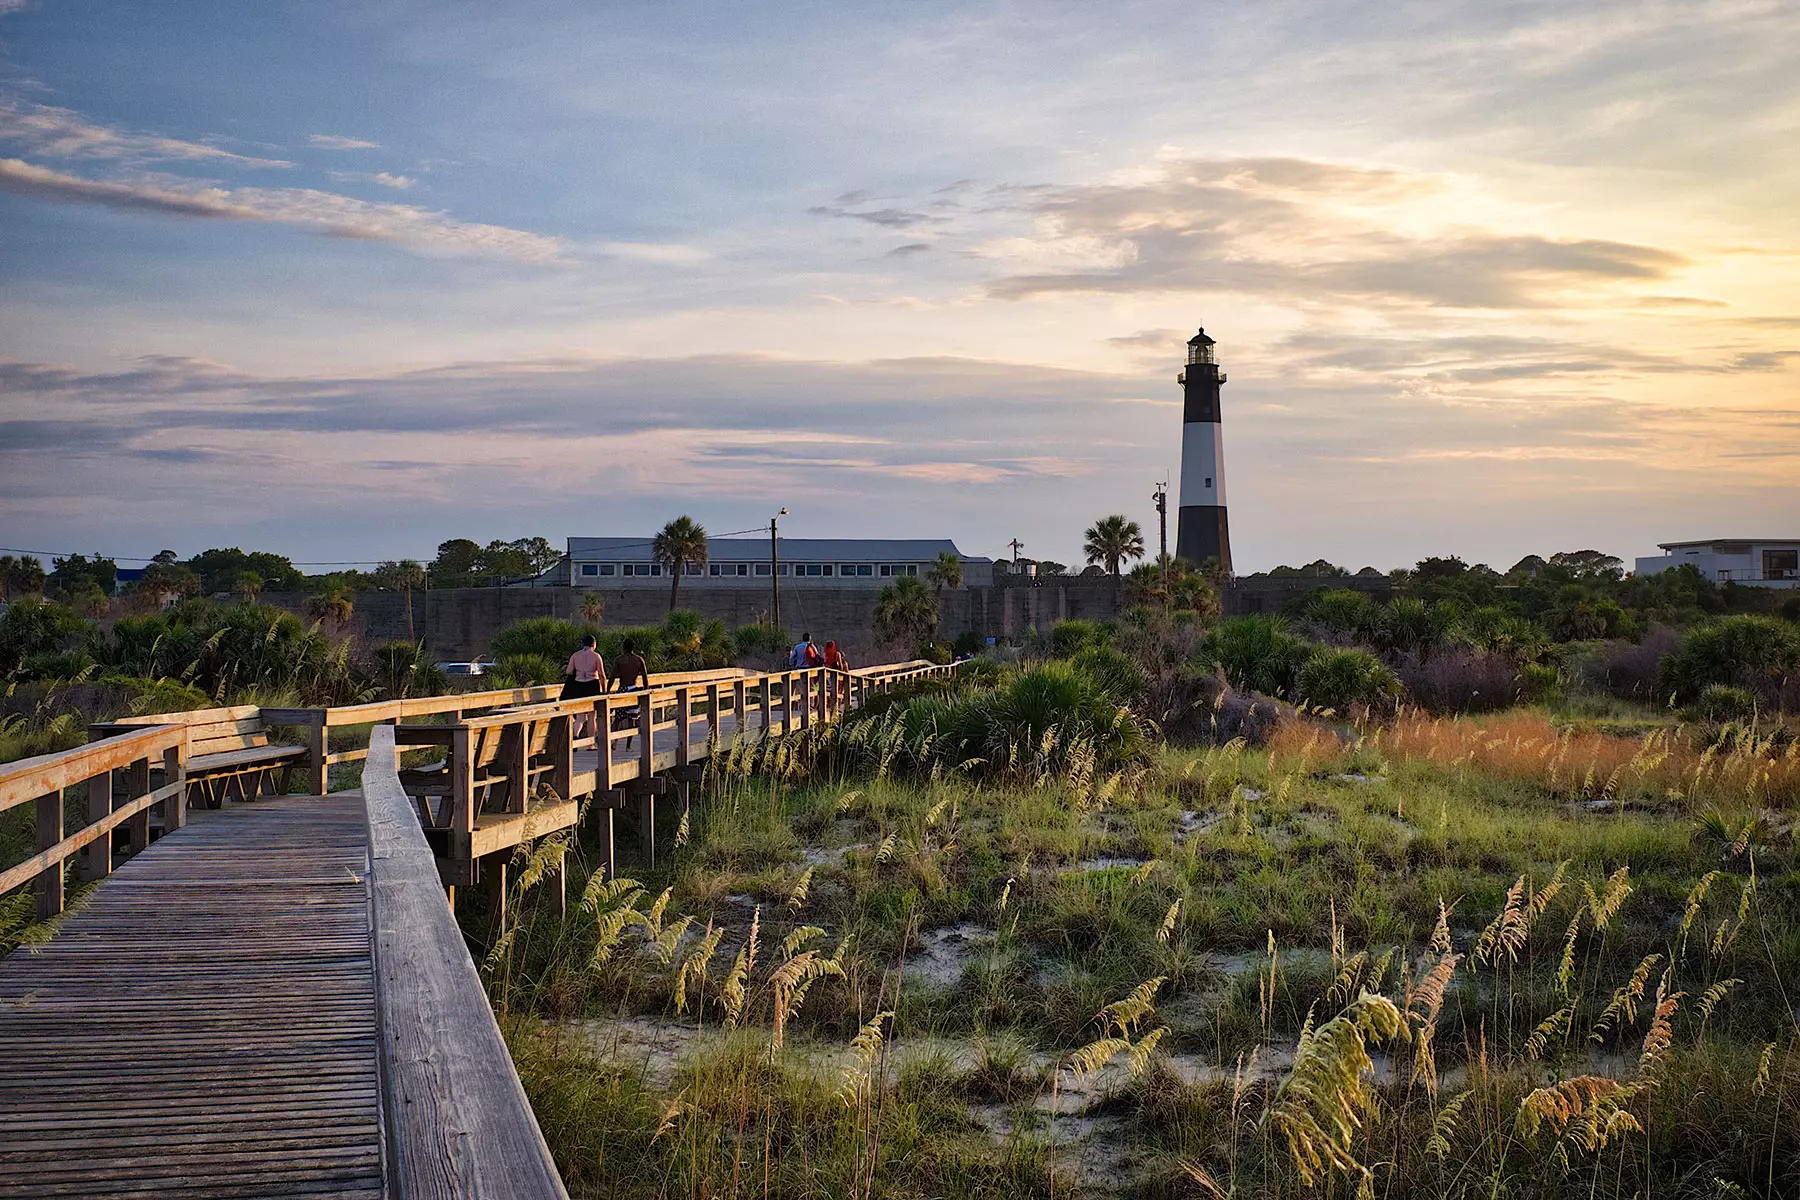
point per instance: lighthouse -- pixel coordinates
(1202, 532)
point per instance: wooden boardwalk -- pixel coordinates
(206, 1026)
(272, 998)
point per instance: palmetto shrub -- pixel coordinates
(1342, 679)
(1760, 654)
(1461, 680)
(1257, 654)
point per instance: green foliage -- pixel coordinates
(1341, 678)
(1111, 540)
(548, 637)
(77, 574)
(219, 570)
(906, 613)
(1756, 653)
(1257, 654)
(1722, 702)
(761, 639)
(461, 562)
(1069, 637)
(36, 635)
(525, 670)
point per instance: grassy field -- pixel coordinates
(1498, 956)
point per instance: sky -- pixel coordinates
(345, 280)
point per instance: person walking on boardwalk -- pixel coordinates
(834, 658)
(632, 673)
(805, 654)
(585, 675)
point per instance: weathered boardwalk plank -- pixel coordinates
(206, 1025)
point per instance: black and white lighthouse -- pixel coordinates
(1202, 532)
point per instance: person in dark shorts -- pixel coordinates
(632, 673)
(585, 675)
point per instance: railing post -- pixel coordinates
(715, 734)
(518, 796)
(318, 747)
(49, 883)
(96, 858)
(603, 714)
(562, 754)
(646, 733)
(768, 687)
(462, 795)
(805, 699)
(137, 786)
(174, 809)
(684, 727)
(737, 709)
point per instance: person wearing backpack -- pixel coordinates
(805, 654)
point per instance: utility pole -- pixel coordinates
(1161, 496)
(1017, 546)
(775, 573)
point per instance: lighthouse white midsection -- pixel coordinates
(1202, 465)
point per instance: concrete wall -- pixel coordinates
(459, 623)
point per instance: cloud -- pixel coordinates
(397, 182)
(887, 218)
(1298, 228)
(63, 133)
(331, 141)
(323, 213)
(909, 248)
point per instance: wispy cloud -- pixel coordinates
(324, 213)
(1293, 227)
(51, 132)
(332, 141)
(399, 183)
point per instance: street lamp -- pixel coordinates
(775, 572)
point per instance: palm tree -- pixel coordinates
(593, 608)
(680, 545)
(248, 584)
(906, 612)
(332, 606)
(1112, 540)
(402, 576)
(946, 572)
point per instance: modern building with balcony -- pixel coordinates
(1767, 562)
(623, 562)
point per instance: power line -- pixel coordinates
(365, 562)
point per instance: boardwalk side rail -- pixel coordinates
(117, 772)
(319, 722)
(456, 1118)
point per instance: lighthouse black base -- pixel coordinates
(1201, 533)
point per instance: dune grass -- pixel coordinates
(1496, 956)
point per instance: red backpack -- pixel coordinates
(813, 657)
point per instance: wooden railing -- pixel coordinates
(319, 722)
(118, 774)
(456, 1119)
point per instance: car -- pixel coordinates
(464, 670)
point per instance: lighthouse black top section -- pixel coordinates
(1200, 392)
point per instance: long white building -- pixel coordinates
(1761, 562)
(624, 562)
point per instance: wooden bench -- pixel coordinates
(229, 754)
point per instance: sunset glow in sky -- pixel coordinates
(344, 280)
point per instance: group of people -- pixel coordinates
(806, 654)
(585, 673)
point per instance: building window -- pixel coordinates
(606, 568)
(643, 569)
(1209, 481)
(854, 569)
(762, 569)
(590, 568)
(1781, 564)
(730, 570)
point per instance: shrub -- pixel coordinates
(403, 669)
(1628, 670)
(1342, 679)
(526, 670)
(1752, 652)
(968, 643)
(1067, 638)
(1257, 654)
(1722, 702)
(761, 639)
(38, 629)
(1537, 682)
(550, 637)
(1460, 680)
